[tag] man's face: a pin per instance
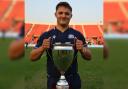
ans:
(63, 16)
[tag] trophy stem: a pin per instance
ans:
(62, 83)
(62, 72)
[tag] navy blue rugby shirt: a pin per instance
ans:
(63, 37)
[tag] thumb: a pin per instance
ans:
(75, 39)
(49, 38)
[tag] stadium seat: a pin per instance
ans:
(4, 6)
(113, 12)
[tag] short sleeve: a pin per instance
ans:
(40, 40)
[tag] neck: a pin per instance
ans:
(62, 28)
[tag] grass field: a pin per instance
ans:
(95, 74)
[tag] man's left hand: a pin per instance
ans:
(79, 44)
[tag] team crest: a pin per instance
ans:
(70, 36)
(53, 36)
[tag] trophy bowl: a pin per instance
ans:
(62, 57)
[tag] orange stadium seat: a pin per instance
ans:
(36, 31)
(126, 5)
(92, 30)
(5, 25)
(27, 27)
(4, 5)
(39, 29)
(125, 27)
(17, 11)
(113, 12)
(79, 28)
(18, 27)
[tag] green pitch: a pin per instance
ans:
(95, 74)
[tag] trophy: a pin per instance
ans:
(63, 57)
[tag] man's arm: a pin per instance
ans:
(85, 52)
(37, 53)
(16, 49)
(105, 51)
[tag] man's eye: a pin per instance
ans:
(60, 13)
(66, 13)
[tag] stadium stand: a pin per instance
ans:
(27, 27)
(115, 17)
(115, 20)
(79, 28)
(4, 5)
(34, 31)
(11, 16)
(90, 31)
(113, 12)
(126, 5)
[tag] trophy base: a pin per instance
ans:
(62, 83)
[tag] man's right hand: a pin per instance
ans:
(46, 43)
(37, 53)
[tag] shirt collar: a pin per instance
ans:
(62, 32)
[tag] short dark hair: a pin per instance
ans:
(65, 4)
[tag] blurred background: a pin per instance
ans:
(99, 73)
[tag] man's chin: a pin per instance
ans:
(64, 24)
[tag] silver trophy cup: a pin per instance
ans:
(63, 57)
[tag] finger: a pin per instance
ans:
(49, 38)
(79, 43)
(47, 42)
(78, 40)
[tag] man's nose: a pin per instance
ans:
(63, 15)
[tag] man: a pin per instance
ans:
(16, 48)
(61, 33)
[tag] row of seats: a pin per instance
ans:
(33, 31)
(112, 11)
(115, 19)
(11, 15)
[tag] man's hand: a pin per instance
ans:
(79, 45)
(37, 53)
(46, 43)
(85, 52)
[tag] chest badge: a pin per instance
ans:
(53, 36)
(70, 36)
